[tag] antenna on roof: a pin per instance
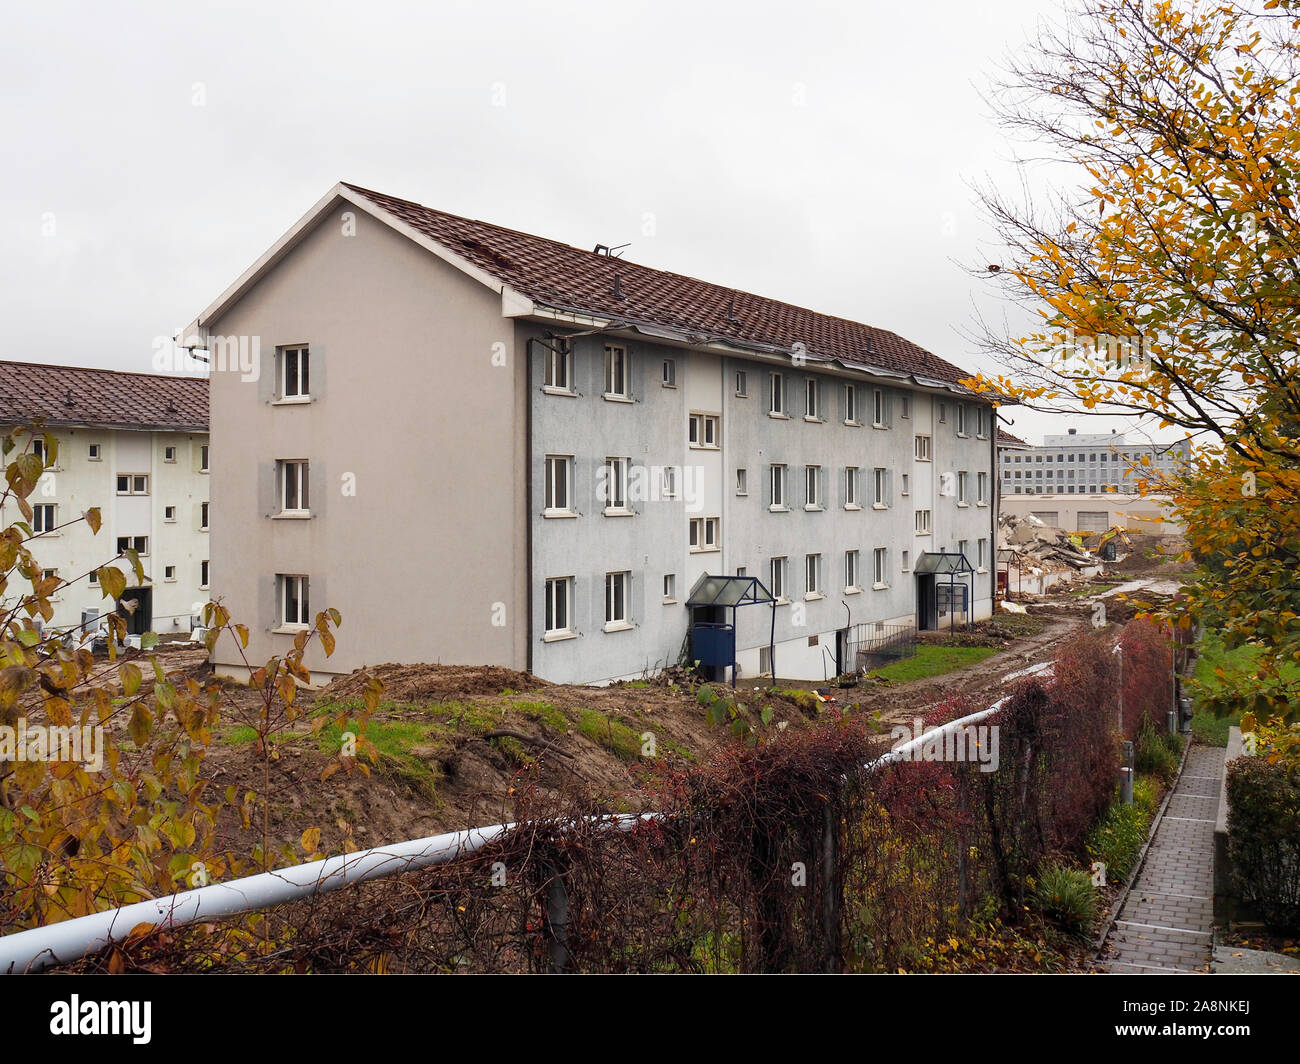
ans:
(608, 252)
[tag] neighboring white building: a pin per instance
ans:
(136, 446)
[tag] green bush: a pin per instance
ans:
(1264, 838)
(1155, 754)
(1067, 897)
(1117, 838)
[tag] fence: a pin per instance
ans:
(874, 645)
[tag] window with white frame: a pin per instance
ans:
(961, 419)
(203, 458)
(39, 450)
(742, 384)
(169, 454)
(670, 587)
(703, 430)
(813, 575)
(879, 571)
(559, 469)
(963, 548)
(616, 376)
(169, 572)
(295, 378)
(812, 487)
(907, 561)
(204, 567)
(851, 570)
(812, 399)
(617, 592)
(670, 373)
(851, 404)
(851, 474)
(293, 486)
(778, 486)
(615, 487)
(880, 478)
(668, 485)
(879, 408)
(43, 518)
(93, 452)
(776, 401)
(704, 533)
(778, 587)
(943, 413)
(559, 365)
(139, 544)
(982, 424)
(295, 609)
(559, 605)
(742, 482)
(169, 514)
(981, 546)
(907, 483)
(922, 522)
(203, 517)
(962, 478)
(133, 483)
(922, 448)
(982, 488)
(905, 405)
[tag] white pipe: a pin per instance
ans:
(69, 940)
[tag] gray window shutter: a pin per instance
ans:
(267, 477)
(317, 368)
(267, 607)
(267, 368)
(317, 595)
(636, 600)
(319, 487)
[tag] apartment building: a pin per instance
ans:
(483, 446)
(134, 445)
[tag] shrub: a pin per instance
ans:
(1264, 838)
(1153, 754)
(1146, 795)
(1067, 897)
(1117, 838)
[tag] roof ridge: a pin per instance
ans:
(98, 369)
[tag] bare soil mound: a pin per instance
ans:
(417, 683)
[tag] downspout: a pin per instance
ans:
(528, 502)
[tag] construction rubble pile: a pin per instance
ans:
(1052, 550)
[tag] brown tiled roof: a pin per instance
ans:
(1005, 439)
(567, 278)
(70, 395)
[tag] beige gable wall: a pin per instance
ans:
(413, 407)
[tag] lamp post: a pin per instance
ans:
(1126, 745)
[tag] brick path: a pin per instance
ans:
(1166, 924)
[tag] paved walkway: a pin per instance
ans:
(1166, 924)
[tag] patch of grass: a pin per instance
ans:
(544, 712)
(1067, 897)
(1240, 673)
(1157, 752)
(240, 735)
(1093, 589)
(394, 740)
(933, 659)
(618, 739)
(1117, 838)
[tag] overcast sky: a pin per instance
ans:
(819, 153)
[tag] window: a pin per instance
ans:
(558, 468)
(94, 578)
(879, 571)
(812, 397)
(812, 494)
(49, 574)
(43, 518)
(905, 405)
(169, 454)
(139, 544)
(38, 450)
(922, 522)
(980, 547)
(559, 361)
(922, 449)
(851, 488)
(963, 547)
(616, 383)
(765, 660)
(704, 533)
(293, 486)
(907, 561)
(169, 513)
(294, 377)
(742, 482)
(812, 575)
(203, 574)
(169, 572)
(851, 404)
(778, 578)
(133, 484)
(670, 373)
(961, 419)
(294, 609)
(559, 596)
(881, 494)
(879, 408)
(777, 404)
(962, 478)
(982, 488)
(669, 475)
(982, 424)
(703, 430)
(615, 487)
(778, 487)
(943, 413)
(742, 384)
(670, 587)
(203, 517)
(617, 586)
(850, 570)
(93, 452)
(203, 458)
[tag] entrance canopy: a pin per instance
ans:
(728, 591)
(942, 563)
